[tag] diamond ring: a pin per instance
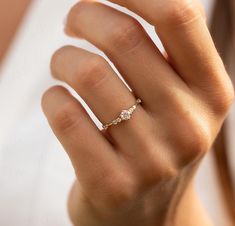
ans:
(123, 116)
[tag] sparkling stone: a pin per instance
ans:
(125, 115)
(115, 122)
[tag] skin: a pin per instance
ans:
(140, 172)
(11, 13)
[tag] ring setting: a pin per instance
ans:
(125, 115)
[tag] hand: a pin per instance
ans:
(139, 172)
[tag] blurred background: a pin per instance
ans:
(35, 173)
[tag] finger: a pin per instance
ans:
(129, 48)
(187, 41)
(200, 6)
(91, 155)
(95, 81)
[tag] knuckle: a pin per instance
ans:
(223, 99)
(66, 118)
(192, 139)
(119, 192)
(179, 12)
(94, 73)
(193, 134)
(197, 143)
(158, 172)
(165, 170)
(125, 35)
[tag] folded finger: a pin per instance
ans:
(90, 153)
(185, 36)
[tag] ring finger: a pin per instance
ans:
(95, 81)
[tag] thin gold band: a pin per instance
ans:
(124, 115)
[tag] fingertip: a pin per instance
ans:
(52, 97)
(59, 59)
(71, 19)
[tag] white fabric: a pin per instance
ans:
(35, 173)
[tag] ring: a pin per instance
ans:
(124, 115)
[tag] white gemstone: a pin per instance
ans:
(125, 115)
(115, 122)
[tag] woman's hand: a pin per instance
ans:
(139, 172)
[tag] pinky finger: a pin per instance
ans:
(90, 153)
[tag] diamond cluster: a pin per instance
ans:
(124, 115)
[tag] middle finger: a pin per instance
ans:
(128, 46)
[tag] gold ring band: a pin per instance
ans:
(123, 116)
